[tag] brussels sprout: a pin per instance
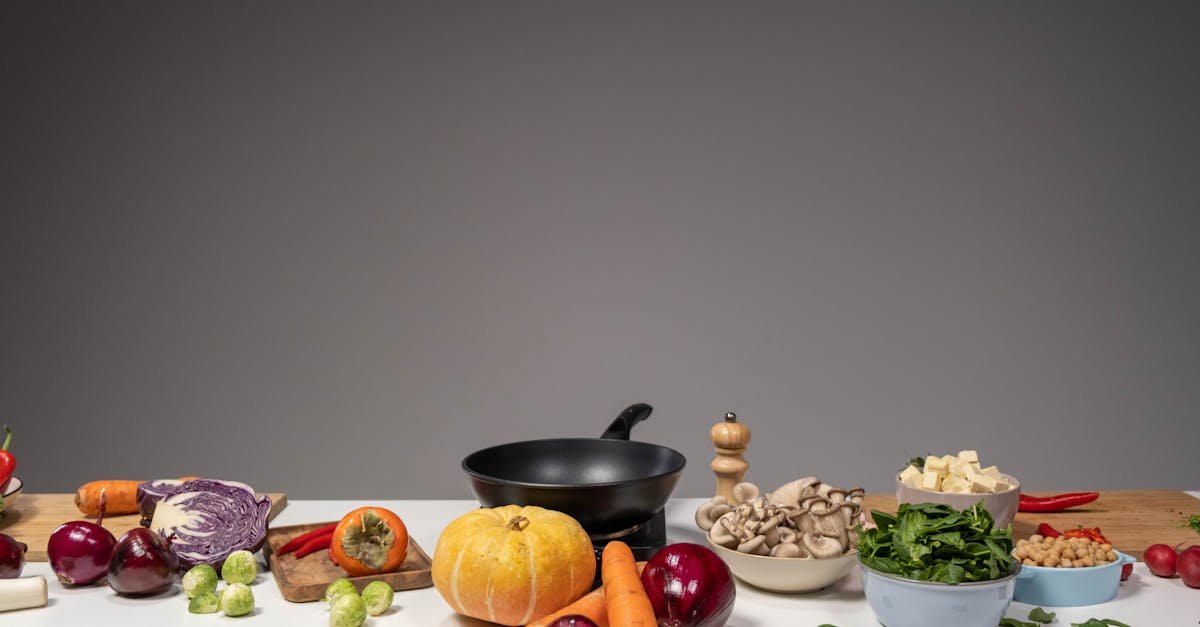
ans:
(338, 588)
(239, 567)
(199, 579)
(204, 602)
(237, 600)
(348, 610)
(378, 597)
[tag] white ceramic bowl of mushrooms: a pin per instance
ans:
(798, 538)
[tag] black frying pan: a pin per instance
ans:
(609, 484)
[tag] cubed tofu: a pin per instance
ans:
(983, 484)
(931, 481)
(969, 456)
(1001, 485)
(936, 465)
(954, 484)
(992, 472)
(975, 466)
(959, 468)
(911, 475)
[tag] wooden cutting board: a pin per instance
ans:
(305, 579)
(1131, 519)
(33, 517)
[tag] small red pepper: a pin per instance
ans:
(7, 462)
(1047, 531)
(300, 540)
(314, 545)
(1055, 503)
(1092, 534)
(1126, 571)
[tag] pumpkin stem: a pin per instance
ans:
(518, 523)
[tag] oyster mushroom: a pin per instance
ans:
(770, 530)
(708, 513)
(822, 547)
(789, 494)
(787, 549)
(745, 492)
(787, 535)
(725, 531)
(755, 546)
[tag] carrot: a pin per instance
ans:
(591, 605)
(121, 493)
(626, 600)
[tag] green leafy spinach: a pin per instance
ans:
(932, 542)
(1042, 616)
(1100, 622)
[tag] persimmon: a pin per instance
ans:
(369, 541)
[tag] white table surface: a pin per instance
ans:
(1144, 600)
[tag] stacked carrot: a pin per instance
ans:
(620, 602)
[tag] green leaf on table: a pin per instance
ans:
(1042, 616)
(1100, 622)
(1013, 622)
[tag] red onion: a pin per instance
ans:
(573, 620)
(142, 563)
(689, 586)
(12, 557)
(79, 552)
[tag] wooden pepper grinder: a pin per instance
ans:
(730, 438)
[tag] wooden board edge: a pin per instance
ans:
(294, 594)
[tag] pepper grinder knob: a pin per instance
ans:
(730, 439)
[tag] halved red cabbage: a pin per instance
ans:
(149, 493)
(211, 519)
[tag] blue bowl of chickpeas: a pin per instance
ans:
(1067, 572)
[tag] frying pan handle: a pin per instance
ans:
(623, 425)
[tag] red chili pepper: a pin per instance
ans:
(1055, 503)
(299, 540)
(1126, 571)
(1046, 530)
(7, 461)
(314, 545)
(1092, 534)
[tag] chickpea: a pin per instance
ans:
(1069, 553)
(1089, 561)
(1106, 547)
(1051, 561)
(1111, 555)
(1066, 563)
(1037, 537)
(1020, 553)
(1029, 562)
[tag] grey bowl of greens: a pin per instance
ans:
(931, 564)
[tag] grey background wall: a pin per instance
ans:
(332, 249)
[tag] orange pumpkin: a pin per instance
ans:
(513, 564)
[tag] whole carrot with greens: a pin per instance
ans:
(628, 605)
